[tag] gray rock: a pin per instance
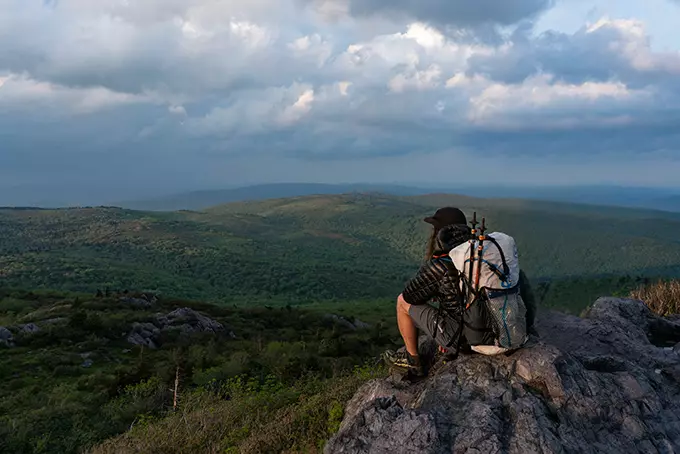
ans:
(188, 321)
(676, 348)
(137, 302)
(6, 337)
(138, 339)
(29, 328)
(87, 363)
(185, 320)
(342, 321)
(143, 334)
(54, 321)
(589, 385)
(358, 324)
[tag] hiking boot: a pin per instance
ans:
(402, 360)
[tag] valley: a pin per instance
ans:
(358, 247)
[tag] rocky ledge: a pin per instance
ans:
(605, 383)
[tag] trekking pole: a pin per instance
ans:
(480, 253)
(472, 257)
(465, 296)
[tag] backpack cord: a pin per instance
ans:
(506, 268)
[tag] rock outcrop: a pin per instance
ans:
(188, 321)
(29, 328)
(353, 325)
(144, 334)
(185, 320)
(606, 383)
(138, 302)
(6, 337)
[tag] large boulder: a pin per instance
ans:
(188, 320)
(144, 334)
(354, 325)
(6, 337)
(29, 328)
(606, 383)
(185, 320)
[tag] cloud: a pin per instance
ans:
(183, 83)
(604, 50)
(452, 12)
(21, 93)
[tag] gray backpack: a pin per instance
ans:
(493, 280)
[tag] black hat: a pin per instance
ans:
(446, 216)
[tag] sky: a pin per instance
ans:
(105, 100)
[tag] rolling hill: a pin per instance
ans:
(317, 248)
(199, 200)
(667, 199)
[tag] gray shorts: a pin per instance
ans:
(443, 329)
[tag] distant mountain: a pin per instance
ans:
(631, 197)
(198, 200)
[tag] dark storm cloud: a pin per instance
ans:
(455, 12)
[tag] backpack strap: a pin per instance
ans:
(506, 268)
(496, 293)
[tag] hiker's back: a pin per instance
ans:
(491, 282)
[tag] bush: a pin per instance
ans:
(662, 297)
(257, 417)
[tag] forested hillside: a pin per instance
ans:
(307, 249)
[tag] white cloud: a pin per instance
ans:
(177, 110)
(502, 106)
(299, 109)
(24, 94)
(631, 41)
(256, 112)
(343, 87)
(419, 79)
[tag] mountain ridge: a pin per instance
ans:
(665, 199)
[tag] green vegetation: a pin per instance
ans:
(310, 249)
(574, 295)
(256, 419)
(276, 270)
(78, 380)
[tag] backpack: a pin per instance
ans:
(495, 285)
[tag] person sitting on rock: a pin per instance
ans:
(435, 283)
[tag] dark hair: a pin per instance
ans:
(431, 243)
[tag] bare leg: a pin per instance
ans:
(407, 328)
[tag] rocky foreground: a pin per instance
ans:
(606, 383)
